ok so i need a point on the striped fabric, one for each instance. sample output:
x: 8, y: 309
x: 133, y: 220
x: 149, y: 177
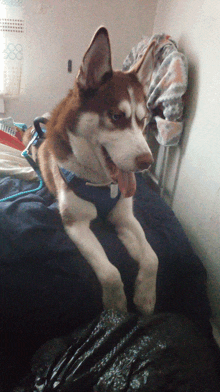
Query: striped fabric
x: 167, y: 87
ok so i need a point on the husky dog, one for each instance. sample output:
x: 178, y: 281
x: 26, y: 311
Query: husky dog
x: 94, y: 145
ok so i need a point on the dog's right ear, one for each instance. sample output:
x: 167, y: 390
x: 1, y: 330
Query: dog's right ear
x: 96, y: 66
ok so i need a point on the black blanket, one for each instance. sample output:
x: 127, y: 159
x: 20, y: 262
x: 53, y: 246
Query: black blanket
x: 47, y: 287
x: 161, y: 353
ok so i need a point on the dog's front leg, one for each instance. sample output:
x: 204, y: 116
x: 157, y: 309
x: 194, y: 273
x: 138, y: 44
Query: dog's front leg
x: 132, y: 236
x: 77, y: 215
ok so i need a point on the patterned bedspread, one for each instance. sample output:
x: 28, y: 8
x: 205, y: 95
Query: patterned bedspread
x: 167, y: 87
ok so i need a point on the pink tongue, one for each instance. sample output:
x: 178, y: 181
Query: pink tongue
x: 126, y: 183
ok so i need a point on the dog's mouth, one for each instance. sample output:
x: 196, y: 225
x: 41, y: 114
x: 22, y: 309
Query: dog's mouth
x: 126, y: 179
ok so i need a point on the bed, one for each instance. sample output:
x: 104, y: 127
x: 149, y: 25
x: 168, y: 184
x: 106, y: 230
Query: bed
x: 47, y: 287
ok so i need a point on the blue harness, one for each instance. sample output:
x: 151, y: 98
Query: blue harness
x: 100, y: 196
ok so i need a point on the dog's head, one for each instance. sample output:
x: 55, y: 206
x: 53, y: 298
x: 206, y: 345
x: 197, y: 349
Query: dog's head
x: 112, y: 112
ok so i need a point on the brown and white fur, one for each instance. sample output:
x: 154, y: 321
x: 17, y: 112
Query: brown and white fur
x: 97, y: 132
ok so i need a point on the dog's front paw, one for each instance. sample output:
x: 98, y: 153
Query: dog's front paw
x: 113, y: 295
x: 145, y: 291
x: 114, y: 298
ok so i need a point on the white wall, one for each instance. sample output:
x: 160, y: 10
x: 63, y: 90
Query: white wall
x: 58, y: 30
x: 195, y: 25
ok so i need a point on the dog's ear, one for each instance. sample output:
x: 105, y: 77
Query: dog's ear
x: 145, y: 66
x: 96, y: 66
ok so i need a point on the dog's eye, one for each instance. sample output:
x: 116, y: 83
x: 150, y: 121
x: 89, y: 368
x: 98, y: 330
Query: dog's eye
x: 116, y: 116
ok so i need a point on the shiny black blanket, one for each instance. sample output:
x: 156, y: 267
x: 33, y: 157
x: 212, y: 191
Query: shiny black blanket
x: 161, y: 353
x: 47, y: 288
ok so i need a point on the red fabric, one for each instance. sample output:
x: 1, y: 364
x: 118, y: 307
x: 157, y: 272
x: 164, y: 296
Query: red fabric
x: 11, y: 141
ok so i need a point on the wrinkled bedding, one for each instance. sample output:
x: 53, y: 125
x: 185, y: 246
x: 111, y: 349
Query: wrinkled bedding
x: 47, y: 288
x: 13, y: 164
x: 162, y: 353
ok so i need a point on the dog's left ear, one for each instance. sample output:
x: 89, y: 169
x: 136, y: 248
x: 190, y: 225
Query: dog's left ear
x: 144, y: 68
x: 96, y: 66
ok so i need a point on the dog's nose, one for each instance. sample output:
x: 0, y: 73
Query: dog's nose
x: 144, y: 161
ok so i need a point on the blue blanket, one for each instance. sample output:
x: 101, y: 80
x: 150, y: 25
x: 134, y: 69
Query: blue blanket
x: 47, y: 288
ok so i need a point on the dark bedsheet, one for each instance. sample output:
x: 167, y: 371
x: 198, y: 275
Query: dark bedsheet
x: 47, y: 288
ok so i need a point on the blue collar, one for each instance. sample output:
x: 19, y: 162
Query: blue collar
x: 100, y: 196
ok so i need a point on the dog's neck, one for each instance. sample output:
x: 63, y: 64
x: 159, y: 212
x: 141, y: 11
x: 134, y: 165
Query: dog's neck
x: 86, y: 161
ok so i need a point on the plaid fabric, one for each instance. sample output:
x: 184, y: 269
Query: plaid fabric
x: 167, y: 87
